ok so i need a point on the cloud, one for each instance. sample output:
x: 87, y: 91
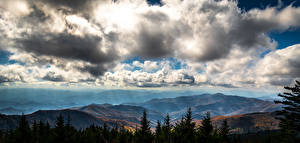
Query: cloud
x: 16, y: 7
x: 154, y: 44
x: 280, y: 67
x: 219, y: 43
x: 14, y: 73
x: 4, y: 79
x: 51, y: 76
x: 148, y: 66
x: 65, y: 46
x: 74, y: 6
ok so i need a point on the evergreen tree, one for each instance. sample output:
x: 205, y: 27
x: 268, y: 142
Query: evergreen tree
x: 184, y: 131
x: 42, y: 136
x: 60, y: 122
x: 68, y: 124
x: 158, y: 132
x: 206, y: 130
x: 23, y: 134
x: 47, y: 128
x: 158, y: 128
x: 224, y: 131
x: 286, y: 132
x: 145, y: 124
x: 290, y: 115
x: 1, y: 136
x: 70, y: 131
x: 144, y: 134
x: 35, y: 131
x: 59, y: 130
x: 105, y: 132
x: 166, y: 130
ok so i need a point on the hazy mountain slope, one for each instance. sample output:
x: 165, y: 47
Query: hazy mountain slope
x: 252, y: 122
x: 129, y: 115
x: 78, y: 119
x: 120, y: 112
x: 217, y: 104
x: 34, y: 99
x: 10, y: 111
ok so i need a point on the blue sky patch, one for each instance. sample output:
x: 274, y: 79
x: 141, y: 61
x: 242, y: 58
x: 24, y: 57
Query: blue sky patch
x: 286, y: 38
x: 4, y: 58
x: 262, y: 4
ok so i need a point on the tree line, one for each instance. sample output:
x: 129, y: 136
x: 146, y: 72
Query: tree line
x: 184, y: 131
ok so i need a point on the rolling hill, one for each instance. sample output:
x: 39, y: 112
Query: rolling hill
x: 238, y: 110
x: 216, y: 104
x: 127, y: 113
x: 249, y: 123
x: 78, y: 119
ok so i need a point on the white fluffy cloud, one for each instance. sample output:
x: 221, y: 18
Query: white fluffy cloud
x: 85, y: 41
x: 280, y: 67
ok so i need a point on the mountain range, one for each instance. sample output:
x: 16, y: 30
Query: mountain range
x: 243, y: 114
x: 217, y: 104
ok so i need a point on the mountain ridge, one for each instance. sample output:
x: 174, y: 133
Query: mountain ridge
x: 217, y: 104
x: 128, y: 116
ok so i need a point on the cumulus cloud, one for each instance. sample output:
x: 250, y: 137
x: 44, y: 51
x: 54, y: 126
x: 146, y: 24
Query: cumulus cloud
x: 218, y: 42
x: 280, y: 67
x: 165, y: 75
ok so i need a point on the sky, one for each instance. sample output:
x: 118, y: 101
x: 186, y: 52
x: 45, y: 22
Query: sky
x: 208, y: 45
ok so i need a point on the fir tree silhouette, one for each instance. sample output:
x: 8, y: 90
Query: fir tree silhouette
x: 290, y: 115
x: 144, y: 134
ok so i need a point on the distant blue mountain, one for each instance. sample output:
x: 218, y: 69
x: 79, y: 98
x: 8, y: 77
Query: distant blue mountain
x: 33, y: 99
x: 129, y: 115
x: 216, y: 104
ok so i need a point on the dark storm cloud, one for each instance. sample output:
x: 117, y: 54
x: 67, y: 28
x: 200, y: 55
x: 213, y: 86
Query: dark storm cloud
x: 217, y: 46
x: 64, y: 45
x: 72, y: 47
x: 226, y: 85
x: 154, y: 40
x: 249, y: 32
x: 95, y: 70
x: 154, y: 44
x: 281, y: 82
x: 5, y: 79
x: 187, y: 79
x: 35, y: 20
x: 51, y: 76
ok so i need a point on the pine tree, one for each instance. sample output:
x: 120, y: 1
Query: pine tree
x: 158, y: 128
x: 1, y: 136
x: 23, y: 131
x: 59, y: 129
x: 68, y: 124
x: 166, y: 130
x: 184, y: 131
x: 144, y: 134
x: 105, y: 132
x: 41, y: 132
x: 286, y: 132
x: 145, y: 128
x: 290, y: 115
x: 60, y: 122
x: 35, y: 131
x: 224, y: 131
x: 206, y: 129
x: 70, y: 131
x: 158, y: 132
